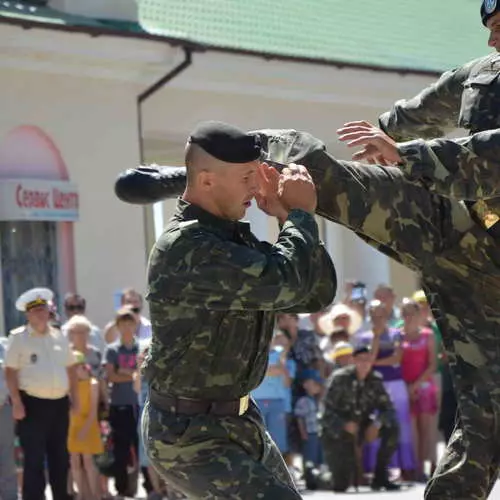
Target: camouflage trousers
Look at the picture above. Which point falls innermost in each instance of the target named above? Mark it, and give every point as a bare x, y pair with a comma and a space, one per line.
341, 455
459, 264
210, 457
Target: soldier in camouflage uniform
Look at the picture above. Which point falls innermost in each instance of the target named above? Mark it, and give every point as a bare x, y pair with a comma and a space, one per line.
438, 213
213, 292
357, 409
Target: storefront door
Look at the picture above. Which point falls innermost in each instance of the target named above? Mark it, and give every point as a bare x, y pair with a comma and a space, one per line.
28, 253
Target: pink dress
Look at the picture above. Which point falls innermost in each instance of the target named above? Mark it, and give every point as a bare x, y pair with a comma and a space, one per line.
414, 362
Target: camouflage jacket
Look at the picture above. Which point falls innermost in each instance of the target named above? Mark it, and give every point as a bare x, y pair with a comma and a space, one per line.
349, 400
467, 97
213, 290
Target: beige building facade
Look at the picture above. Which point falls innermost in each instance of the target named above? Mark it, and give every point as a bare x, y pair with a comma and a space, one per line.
69, 126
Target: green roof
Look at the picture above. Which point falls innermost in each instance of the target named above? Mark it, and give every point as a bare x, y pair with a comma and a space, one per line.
421, 35
407, 35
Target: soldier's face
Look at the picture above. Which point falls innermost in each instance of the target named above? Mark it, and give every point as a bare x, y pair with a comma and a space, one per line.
363, 364
232, 189
493, 25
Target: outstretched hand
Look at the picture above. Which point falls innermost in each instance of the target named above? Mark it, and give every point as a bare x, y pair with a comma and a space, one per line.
267, 198
377, 146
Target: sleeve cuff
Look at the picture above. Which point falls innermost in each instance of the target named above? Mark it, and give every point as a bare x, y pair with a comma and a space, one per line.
305, 221
417, 162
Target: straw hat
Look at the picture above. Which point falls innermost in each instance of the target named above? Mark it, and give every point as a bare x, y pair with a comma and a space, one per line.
325, 323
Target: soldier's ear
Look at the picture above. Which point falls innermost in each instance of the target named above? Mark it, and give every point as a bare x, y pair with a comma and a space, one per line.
206, 179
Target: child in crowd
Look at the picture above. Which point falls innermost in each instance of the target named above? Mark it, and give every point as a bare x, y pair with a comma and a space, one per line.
84, 438
306, 409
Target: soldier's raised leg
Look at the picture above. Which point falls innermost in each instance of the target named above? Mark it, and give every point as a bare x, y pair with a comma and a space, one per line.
460, 266
458, 261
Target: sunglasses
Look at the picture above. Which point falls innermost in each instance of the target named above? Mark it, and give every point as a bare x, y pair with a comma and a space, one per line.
135, 310
74, 307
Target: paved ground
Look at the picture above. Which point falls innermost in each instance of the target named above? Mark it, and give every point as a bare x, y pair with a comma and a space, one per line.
411, 493
408, 493
415, 493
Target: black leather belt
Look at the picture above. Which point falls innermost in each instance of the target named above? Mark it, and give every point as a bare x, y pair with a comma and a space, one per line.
186, 406
494, 230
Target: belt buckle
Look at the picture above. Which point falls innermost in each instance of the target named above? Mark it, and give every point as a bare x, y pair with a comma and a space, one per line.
487, 216
490, 220
243, 404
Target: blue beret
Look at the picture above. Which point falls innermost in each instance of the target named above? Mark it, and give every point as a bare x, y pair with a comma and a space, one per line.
488, 9
226, 142
310, 374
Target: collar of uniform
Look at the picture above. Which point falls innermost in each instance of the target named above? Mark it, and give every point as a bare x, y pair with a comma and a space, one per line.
189, 211
34, 333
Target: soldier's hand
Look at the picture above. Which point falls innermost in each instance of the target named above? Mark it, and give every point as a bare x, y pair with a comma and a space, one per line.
377, 146
267, 198
297, 189
351, 428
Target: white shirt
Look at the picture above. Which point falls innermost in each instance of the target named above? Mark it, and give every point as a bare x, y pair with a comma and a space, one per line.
144, 330
41, 361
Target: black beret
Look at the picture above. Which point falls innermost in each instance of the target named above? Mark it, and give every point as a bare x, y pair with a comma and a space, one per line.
489, 8
226, 142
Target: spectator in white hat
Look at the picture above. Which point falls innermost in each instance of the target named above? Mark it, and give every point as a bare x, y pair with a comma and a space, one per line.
40, 373
339, 317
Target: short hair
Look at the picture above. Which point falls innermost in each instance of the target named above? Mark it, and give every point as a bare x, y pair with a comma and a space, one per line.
75, 296
79, 321
196, 159
130, 291
384, 287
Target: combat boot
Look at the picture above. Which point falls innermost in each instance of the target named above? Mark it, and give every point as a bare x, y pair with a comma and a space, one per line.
381, 482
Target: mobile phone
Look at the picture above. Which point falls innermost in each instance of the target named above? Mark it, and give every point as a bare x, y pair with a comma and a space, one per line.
358, 292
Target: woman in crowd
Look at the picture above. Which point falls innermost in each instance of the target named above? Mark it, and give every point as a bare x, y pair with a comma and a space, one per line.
385, 344
418, 366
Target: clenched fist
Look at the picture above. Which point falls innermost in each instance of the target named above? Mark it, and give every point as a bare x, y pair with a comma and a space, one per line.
296, 189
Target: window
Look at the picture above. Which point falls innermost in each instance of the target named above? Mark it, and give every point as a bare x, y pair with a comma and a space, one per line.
28, 252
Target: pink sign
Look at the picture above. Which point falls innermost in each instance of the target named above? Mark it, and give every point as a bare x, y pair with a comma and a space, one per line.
30, 199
